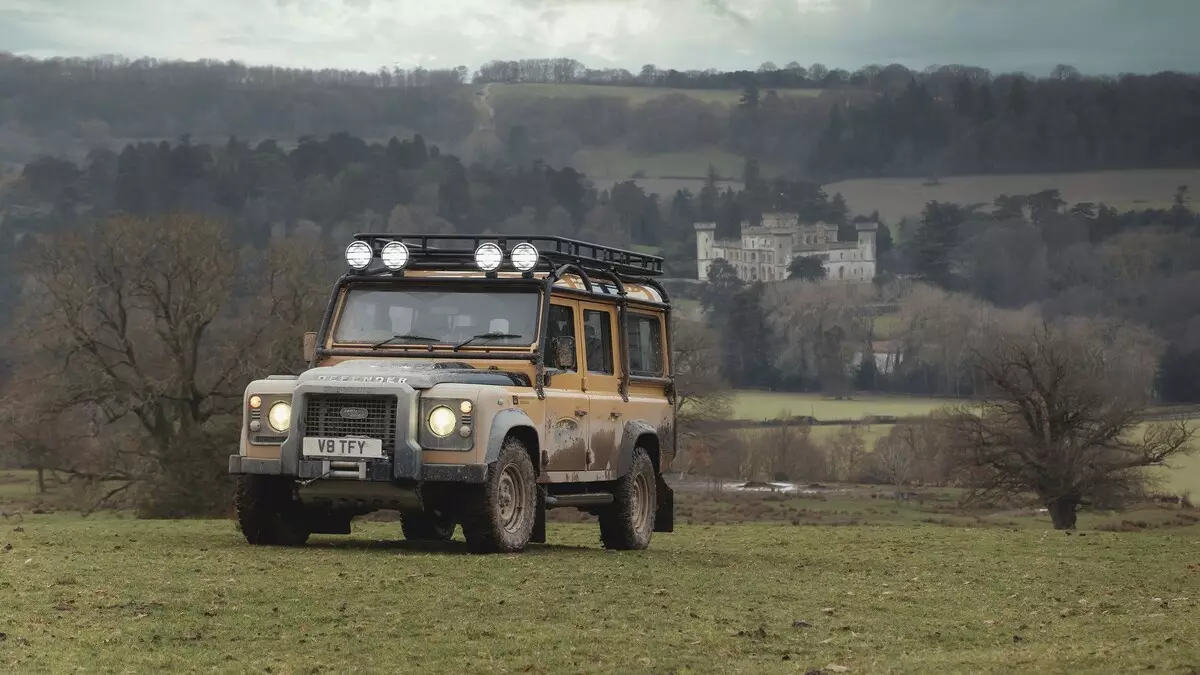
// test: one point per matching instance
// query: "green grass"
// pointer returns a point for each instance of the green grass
(759, 405)
(619, 164)
(108, 595)
(896, 198)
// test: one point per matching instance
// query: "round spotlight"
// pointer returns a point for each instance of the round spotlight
(358, 255)
(488, 257)
(394, 255)
(255, 402)
(465, 407)
(524, 257)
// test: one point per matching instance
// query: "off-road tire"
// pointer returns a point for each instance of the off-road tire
(499, 516)
(427, 527)
(628, 523)
(267, 511)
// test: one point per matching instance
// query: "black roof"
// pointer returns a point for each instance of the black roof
(457, 252)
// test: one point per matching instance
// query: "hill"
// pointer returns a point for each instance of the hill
(896, 198)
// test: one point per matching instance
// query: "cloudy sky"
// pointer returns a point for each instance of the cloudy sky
(1032, 35)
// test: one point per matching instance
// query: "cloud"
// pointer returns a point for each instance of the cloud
(1031, 35)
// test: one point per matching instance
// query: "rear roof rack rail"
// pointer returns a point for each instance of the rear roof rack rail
(457, 252)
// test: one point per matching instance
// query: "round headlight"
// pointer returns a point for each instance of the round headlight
(394, 255)
(442, 421)
(280, 416)
(524, 257)
(358, 255)
(488, 257)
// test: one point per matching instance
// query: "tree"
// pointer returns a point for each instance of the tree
(895, 456)
(136, 325)
(723, 284)
(1067, 401)
(806, 268)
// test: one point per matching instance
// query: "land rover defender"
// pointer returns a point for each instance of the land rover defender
(473, 381)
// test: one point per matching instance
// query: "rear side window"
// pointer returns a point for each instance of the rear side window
(645, 346)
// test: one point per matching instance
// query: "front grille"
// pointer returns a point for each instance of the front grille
(324, 417)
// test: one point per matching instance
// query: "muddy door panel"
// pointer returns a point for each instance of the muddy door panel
(600, 382)
(567, 416)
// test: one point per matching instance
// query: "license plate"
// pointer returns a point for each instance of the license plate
(343, 447)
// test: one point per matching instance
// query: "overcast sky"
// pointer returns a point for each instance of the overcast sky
(1097, 36)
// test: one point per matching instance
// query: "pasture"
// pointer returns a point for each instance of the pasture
(117, 594)
(1183, 474)
(896, 198)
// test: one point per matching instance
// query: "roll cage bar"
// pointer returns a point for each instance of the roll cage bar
(557, 257)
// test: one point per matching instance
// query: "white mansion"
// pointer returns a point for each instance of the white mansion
(764, 251)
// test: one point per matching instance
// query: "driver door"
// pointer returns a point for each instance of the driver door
(566, 405)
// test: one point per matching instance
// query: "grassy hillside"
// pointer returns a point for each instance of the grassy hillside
(115, 594)
(895, 198)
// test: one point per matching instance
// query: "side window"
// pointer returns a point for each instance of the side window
(597, 327)
(645, 346)
(562, 324)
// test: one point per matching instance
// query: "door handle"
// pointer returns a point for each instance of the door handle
(580, 413)
(614, 414)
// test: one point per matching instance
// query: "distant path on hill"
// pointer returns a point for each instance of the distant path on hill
(488, 123)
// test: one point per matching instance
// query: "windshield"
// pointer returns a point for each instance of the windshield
(437, 316)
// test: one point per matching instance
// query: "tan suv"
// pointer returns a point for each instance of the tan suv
(474, 381)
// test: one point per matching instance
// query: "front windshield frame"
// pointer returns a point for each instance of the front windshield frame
(485, 315)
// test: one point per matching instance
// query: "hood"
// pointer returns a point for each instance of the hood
(416, 373)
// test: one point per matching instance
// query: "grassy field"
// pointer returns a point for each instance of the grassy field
(635, 95)
(769, 405)
(895, 198)
(1184, 475)
(665, 173)
(109, 594)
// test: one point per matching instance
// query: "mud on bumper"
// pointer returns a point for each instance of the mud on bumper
(376, 471)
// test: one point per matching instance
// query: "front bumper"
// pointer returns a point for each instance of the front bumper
(376, 471)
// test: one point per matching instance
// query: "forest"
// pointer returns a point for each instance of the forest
(874, 121)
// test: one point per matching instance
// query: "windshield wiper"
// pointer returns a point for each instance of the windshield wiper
(486, 336)
(414, 338)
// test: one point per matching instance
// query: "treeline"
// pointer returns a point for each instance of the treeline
(927, 127)
(911, 331)
(874, 77)
(70, 105)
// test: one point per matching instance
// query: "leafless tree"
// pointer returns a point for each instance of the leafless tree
(820, 325)
(150, 328)
(703, 394)
(1063, 419)
(896, 457)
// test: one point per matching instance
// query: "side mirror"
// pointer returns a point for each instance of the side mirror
(562, 353)
(310, 347)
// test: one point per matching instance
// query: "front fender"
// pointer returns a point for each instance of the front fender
(502, 423)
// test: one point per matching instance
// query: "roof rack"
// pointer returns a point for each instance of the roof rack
(457, 252)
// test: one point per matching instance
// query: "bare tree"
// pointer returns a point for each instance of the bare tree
(896, 457)
(847, 453)
(151, 329)
(1063, 419)
(820, 325)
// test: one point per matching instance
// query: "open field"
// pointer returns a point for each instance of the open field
(635, 95)
(1184, 475)
(895, 198)
(665, 173)
(143, 596)
(769, 405)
